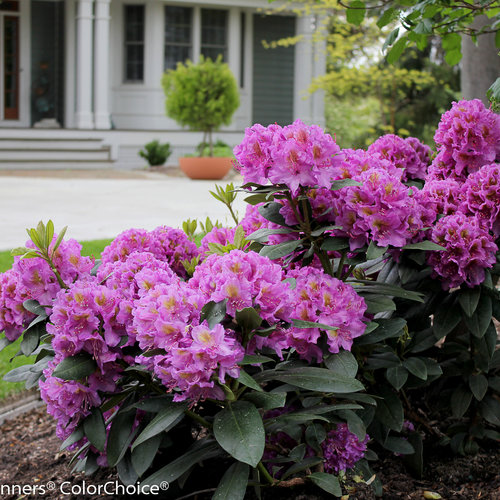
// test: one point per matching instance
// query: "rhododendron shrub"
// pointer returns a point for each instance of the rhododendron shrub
(356, 294)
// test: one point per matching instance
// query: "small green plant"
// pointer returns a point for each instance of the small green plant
(156, 153)
(201, 96)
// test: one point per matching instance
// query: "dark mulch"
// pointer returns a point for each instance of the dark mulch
(30, 455)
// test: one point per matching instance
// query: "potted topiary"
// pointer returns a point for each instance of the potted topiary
(203, 97)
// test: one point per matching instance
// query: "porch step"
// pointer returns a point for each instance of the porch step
(53, 152)
(56, 165)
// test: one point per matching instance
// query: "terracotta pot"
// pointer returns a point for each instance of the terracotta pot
(205, 167)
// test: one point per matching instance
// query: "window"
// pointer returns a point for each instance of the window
(178, 35)
(214, 33)
(134, 43)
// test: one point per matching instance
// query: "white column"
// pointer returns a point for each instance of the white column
(196, 34)
(84, 116)
(101, 65)
(69, 64)
(319, 69)
(234, 43)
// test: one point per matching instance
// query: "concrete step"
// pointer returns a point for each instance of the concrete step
(48, 144)
(56, 165)
(54, 155)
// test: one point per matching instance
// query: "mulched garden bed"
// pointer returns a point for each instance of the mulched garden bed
(30, 455)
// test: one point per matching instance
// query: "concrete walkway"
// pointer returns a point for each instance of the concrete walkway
(97, 205)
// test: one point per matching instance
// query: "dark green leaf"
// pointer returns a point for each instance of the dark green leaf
(415, 461)
(126, 472)
(343, 363)
(30, 340)
(480, 320)
(240, 431)
(398, 445)
(315, 379)
(397, 376)
(446, 318)
(75, 436)
(366, 286)
(490, 410)
(376, 304)
(262, 235)
(299, 323)
(271, 212)
(251, 359)
(354, 423)
(154, 404)
(233, 484)
(280, 250)
(315, 435)
(469, 299)
(460, 401)
(331, 244)
(416, 367)
(18, 374)
(175, 469)
(307, 463)
(266, 400)
(248, 319)
(120, 436)
(33, 306)
(374, 251)
(478, 385)
(213, 312)
(144, 454)
(75, 367)
(327, 482)
(95, 429)
(387, 328)
(161, 423)
(342, 183)
(423, 245)
(4, 342)
(247, 380)
(390, 410)
(355, 13)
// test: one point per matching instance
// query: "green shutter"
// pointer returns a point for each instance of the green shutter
(273, 71)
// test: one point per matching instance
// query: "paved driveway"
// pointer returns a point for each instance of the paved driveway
(94, 207)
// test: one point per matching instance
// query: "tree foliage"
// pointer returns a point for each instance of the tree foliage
(201, 96)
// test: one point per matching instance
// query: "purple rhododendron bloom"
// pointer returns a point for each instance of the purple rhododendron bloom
(342, 449)
(318, 297)
(468, 137)
(468, 251)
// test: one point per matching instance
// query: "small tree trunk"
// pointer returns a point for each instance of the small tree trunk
(480, 64)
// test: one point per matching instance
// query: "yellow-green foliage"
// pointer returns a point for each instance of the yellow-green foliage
(201, 96)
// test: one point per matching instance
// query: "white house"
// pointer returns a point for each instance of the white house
(84, 76)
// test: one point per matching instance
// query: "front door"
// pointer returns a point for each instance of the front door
(9, 55)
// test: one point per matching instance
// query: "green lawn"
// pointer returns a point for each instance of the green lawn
(94, 248)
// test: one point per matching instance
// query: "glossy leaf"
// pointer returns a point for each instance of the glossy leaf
(460, 401)
(161, 423)
(95, 429)
(344, 363)
(213, 312)
(469, 299)
(480, 320)
(233, 484)
(478, 385)
(390, 410)
(327, 482)
(266, 400)
(144, 454)
(75, 367)
(397, 376)
(239, 430)
(120, 436)
(416, 367)
(280, 250)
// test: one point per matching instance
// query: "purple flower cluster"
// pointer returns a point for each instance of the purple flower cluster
(481, 197)
(342, 449)
(220, 235)
(382, 209)
(165, 243)
(468, 137)
(245, 280)
(469, 249)
(409, 155)
(321, 298)
(295, 155)
(84, 319)
(34, 279)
